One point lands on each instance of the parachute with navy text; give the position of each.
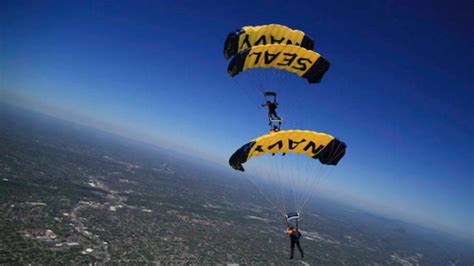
(305, 63)
(327, 149)
(286, 166)
(250, 36)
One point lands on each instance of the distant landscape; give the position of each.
(71, 194)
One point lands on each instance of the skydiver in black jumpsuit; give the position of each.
(295, 235)
(272, 115)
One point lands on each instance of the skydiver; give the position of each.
(295, 235)
(272, 106)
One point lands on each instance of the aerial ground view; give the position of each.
(236, 133)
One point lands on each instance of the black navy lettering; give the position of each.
(261, 41)
(294, 144)
(259, 148)
(278, 143)
(246, 42)
(274, 40)
(314, 150)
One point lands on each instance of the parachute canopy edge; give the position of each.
(327, 149)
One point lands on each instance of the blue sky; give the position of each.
(399, 91)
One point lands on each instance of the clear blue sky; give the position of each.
(399, 91)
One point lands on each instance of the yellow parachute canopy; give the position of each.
(250, 36)
(305, 63)
(324, 147)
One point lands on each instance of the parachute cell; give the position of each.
(327, 149)
(250, 36)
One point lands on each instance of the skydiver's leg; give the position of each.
(276, 116)
(292, 249)
(299, 247)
